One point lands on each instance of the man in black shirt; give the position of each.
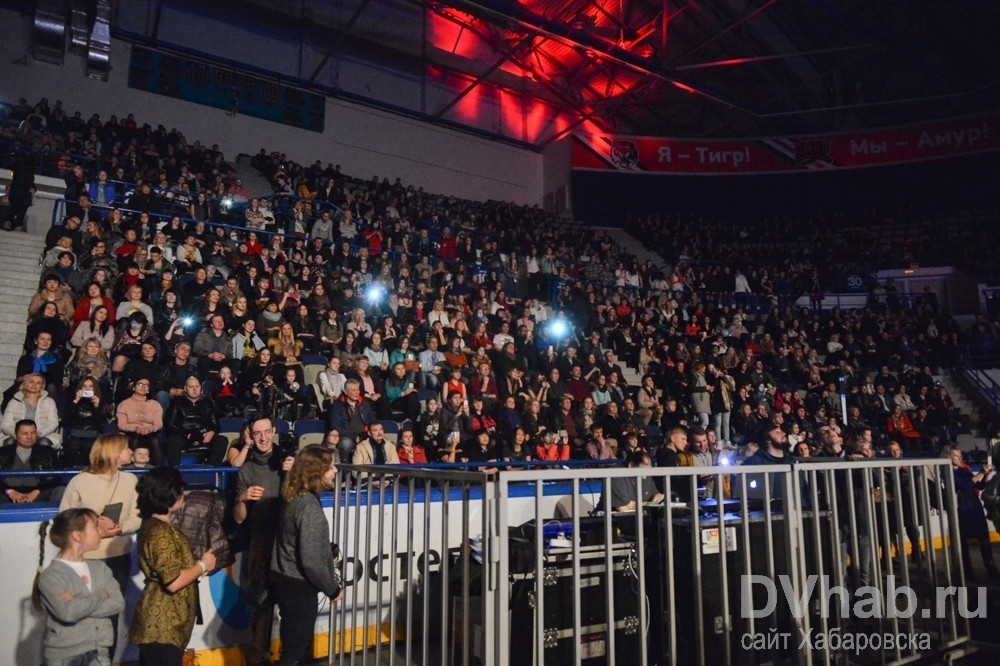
(669, 455)
(23, 455)
(192, 422)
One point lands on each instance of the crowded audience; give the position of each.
(486, 331)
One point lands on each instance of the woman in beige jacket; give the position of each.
(103, 488)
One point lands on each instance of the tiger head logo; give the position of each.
(624, 154)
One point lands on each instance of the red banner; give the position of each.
(800, 153)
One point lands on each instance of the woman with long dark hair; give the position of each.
(98, 326)
(303, 564)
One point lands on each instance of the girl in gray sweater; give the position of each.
(79, 596)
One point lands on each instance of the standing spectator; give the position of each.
(110, 493)
(700, 397)
(258, 503)
(165, 614)
(21, 192)
(79, 598)
(971, 519)
(303, 564)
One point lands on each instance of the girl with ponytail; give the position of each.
(79, 597)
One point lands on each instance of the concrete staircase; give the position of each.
(634, 246)
(19, 275)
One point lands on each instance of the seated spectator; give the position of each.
(246, 343)
(428, 430)
(482, 450)
(226, 393)
(285, 346)
(92, 299)
(42, 359)
(140, 458)
(331, 381)
(290, 396)
(22, 455)
(455, 418)
(598, 448)
(350, 415)
(516, 449)
(47, 320)
(213, 347)
(89, 361)
(34, 403)
(621, 496)
(192, 422)
(52, 291)
(899, 427)
(408, 451)
(142, 419)
(430, 365)
(374, 449)
(132, 333)
(552, 448)
(377, 355)
(53, 256)
(454, 386)
(484, 386)
(402, 394)
(372, 388)
(99, 326)
(85, 417)
(101, 191)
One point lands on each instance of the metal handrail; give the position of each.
(986, 385)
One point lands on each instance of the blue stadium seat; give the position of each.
(306, 426)
(314, 359)
(230, 424)
(390, 427)
(654, 435)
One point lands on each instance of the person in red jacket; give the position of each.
(409, 452)
(552, 448)
(898, 426)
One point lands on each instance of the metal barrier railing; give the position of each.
(772, 563)
(422, 609)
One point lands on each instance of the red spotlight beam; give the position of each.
(766, 58)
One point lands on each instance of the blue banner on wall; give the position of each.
(225, 88)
